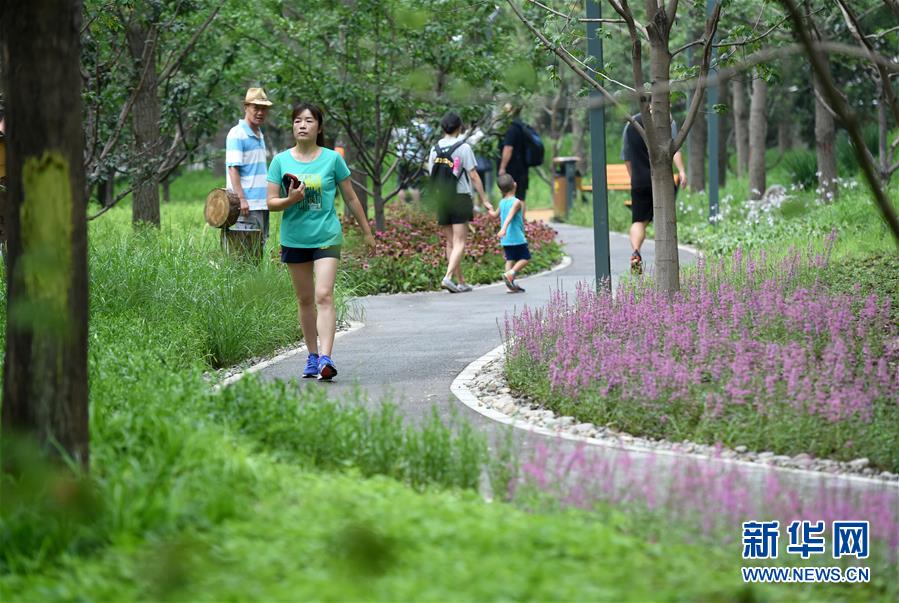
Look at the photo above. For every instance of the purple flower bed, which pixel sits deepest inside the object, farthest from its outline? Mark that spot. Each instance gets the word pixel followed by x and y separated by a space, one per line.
pixel 754 351
pixel 708 497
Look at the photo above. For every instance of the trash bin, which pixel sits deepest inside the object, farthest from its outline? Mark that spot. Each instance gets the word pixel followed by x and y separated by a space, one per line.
pixel 564 185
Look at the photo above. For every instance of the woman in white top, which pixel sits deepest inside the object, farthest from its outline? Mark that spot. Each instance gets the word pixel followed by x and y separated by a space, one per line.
pixel 454 214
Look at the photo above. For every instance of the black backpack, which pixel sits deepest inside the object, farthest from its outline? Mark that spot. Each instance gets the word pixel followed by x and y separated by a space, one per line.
pixel 443 181
pixel 533 146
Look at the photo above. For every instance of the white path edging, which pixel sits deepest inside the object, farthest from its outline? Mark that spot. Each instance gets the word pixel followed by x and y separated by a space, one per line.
pixel 460 388
pixel 354 326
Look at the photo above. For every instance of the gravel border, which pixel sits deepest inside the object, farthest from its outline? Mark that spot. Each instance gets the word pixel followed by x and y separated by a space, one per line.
pixel 482 387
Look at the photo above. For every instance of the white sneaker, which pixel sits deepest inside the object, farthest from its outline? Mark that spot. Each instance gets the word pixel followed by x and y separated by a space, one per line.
pixel 449 285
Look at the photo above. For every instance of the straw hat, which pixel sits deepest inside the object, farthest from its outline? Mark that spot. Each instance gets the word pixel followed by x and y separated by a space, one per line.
pixel 256 96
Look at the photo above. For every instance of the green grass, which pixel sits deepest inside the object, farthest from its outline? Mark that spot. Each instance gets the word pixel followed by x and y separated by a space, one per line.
pixel 261 493
pixel 333 537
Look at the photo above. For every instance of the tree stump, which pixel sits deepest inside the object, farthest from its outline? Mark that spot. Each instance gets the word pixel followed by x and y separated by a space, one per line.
pixel 243 242
pixel 222 208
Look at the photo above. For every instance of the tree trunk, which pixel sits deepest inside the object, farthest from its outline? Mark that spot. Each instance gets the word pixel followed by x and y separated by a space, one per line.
pixel 723 133
pixel 741 135
pixel 579 131
pixel 785 130
pixel 357 176
pixel 380 221
pixel 698 141
pixel 825 147
pixel 45 394
pixel 667 261
pixel 106 189
pixel 883 130
pixel 145 123
pixel 758 133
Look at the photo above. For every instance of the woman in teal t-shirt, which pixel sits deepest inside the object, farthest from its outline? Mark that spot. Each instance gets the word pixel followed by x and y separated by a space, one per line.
pixel 302 182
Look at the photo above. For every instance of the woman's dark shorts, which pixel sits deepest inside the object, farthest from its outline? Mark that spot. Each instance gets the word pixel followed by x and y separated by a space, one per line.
pixel 301 255
pixel 641 204
pixel 455 209
pixel 514 253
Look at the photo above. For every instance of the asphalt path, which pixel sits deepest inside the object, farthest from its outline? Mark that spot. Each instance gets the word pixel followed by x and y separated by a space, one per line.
pixel 414 345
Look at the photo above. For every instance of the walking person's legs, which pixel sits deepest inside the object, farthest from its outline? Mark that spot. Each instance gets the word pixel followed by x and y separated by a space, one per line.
pixel 641 216
pixel 459 237
pixel 637 235
pixel 325 274
pixel 303 286
pixel 301 275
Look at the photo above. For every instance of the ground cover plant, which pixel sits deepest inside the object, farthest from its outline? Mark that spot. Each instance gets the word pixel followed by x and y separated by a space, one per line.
pixel 754 351
pixel 167 452
pixel 410 254
pixel 317 536
pixel 197 495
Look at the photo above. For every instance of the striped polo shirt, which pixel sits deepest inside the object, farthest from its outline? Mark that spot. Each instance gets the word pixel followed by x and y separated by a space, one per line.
pixel 245 150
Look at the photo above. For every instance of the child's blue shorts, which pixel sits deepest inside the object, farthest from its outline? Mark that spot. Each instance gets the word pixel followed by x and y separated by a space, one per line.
pixel 514 253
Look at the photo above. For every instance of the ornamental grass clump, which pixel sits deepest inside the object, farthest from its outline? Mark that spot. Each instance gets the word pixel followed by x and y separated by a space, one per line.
pixel 755 351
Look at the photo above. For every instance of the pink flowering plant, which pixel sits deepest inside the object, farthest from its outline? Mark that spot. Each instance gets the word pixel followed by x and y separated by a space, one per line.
pixel 754 351
pixel 410 254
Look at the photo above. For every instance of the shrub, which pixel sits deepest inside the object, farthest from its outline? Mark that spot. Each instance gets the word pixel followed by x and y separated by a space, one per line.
pixel 802 167
pixel 410 254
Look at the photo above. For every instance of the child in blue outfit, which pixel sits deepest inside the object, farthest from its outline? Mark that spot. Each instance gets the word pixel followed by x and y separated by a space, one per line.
pixel 511 233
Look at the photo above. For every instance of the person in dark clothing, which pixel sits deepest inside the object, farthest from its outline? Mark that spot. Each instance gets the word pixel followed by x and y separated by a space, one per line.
pixel 636 157
pixel 513 152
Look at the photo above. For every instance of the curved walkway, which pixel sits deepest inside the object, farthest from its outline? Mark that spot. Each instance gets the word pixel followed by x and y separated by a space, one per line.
pixel 413 347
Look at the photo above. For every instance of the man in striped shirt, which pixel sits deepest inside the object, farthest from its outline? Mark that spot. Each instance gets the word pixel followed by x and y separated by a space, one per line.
pixel 245 164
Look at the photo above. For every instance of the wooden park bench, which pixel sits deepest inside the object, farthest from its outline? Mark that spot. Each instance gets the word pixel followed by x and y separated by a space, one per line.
pixel 617 179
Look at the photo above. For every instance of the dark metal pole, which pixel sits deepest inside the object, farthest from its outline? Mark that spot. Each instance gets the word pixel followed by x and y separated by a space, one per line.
pixel 712 143
pixel 598 157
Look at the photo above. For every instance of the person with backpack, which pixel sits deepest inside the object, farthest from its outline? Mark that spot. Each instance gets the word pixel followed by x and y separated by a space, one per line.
pixel 454 174
pixel 522 149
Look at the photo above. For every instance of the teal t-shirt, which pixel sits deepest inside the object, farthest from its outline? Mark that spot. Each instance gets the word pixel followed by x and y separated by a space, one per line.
pixel 312 222
pixel 515 232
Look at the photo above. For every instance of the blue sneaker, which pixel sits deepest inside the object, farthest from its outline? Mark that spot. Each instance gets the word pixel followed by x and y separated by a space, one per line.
pixel 311 369
pixel 326 368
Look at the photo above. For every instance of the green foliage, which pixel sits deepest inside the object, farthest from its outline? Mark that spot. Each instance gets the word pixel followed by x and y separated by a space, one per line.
pixel 334 537
pixel 410 254
pixel 169 454
pixel 802 167
pixel 198 81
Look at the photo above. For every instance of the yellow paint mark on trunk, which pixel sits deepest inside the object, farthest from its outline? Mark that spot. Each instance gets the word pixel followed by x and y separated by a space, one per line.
pixel 45 266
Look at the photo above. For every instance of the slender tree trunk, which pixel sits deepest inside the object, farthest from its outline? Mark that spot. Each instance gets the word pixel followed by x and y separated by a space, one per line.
pixel 698 139
pixel 883 129
pixel 357 176
pixel 579 135
pixel 145 123
pixel 741 134
pixel 106 189
pixel 380 221
pixel 825 147
pixel 723 133
pixel 758 133
pixel 785 130
pixel 667 261
pixel 45 394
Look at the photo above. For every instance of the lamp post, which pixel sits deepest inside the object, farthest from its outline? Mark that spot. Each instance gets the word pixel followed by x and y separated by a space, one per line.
pixel 598 157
